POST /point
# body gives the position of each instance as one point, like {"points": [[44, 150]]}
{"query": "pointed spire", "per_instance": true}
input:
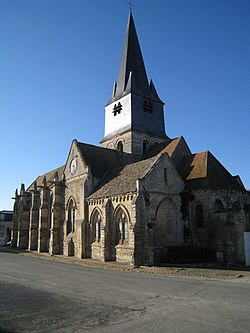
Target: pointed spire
{"points": [[132, 61], [22, 189], [63, 177], [114, 90], [154, 92], [44, 182], [131, 85], [56, 178], [16, 193]]}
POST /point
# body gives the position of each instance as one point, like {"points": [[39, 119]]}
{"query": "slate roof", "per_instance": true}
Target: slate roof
{"points": [[132, 61], [199, 171], [171, 147], [49, 177], [157, 148], [99, 159], [204, 171], [132, 75], [123, 180]]}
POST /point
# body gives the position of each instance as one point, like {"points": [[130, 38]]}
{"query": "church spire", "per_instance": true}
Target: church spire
{"points": [[132, 61], [134, 117]]}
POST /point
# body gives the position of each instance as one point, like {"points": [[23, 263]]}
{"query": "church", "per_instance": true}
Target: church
{"points": [[140, 197]]}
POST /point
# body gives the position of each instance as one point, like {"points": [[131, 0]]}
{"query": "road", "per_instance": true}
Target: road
{"points": [[38, 295]]}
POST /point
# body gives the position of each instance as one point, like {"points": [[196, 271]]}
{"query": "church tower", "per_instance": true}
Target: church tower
{"points": [[134, 118]]}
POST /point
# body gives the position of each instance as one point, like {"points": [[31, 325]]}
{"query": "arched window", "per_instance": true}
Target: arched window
{"points": [[199, 216], [71, 217], [236, 207], [145, 146], [218, 205], [122, 226], [96, 226], [120, 147]]}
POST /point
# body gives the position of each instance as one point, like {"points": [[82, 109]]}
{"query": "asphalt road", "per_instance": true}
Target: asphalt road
{"points": [[37, 295]]}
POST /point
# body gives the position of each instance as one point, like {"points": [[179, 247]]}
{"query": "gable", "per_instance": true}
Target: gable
{"points": [[175, 148], [99, 159], [204, 171], [163, 177], [75, 165], [84, 157]]}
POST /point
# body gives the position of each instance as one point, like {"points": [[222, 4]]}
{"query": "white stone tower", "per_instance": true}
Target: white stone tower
{"points": [[134, 118]]}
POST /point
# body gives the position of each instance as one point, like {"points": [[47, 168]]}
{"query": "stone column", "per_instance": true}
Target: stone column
{"points": [[134, 230], [105, 234], [104, 241], [57, 206], [23, 219], [86, 234], [34, 219], [15, 221], [44, 215]]}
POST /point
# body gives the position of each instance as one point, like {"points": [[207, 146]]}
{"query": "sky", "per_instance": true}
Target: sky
{"points": [[59, 59]]}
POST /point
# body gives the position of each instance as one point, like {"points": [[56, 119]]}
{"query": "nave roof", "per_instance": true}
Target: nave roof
{"points": [[49, 177], [123, 180], [203, 171]]}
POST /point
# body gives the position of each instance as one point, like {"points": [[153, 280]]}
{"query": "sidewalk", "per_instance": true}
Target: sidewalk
{"points": [[201, 271]]}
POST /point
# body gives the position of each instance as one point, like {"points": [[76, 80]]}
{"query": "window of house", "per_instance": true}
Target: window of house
{"points": [[117, 109], [2, 230], [8, 235], [71, 217], [122, 226], [8, 217], [199, 216]]}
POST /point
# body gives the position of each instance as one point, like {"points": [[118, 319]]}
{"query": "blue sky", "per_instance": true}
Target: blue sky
{"points": [[59, 59]]}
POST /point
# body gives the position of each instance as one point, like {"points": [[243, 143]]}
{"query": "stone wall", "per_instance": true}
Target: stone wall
{"points": [[224, 224], [110, 246], [159, 222]]}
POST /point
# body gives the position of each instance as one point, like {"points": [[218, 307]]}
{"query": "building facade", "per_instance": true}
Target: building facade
{"points": [[141, 197], [5, 226]]}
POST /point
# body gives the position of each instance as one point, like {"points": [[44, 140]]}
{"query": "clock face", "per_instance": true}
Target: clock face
{"points": [[73, 166]]}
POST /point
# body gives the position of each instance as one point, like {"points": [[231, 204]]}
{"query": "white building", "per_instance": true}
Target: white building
{"points": [[5, 226]]}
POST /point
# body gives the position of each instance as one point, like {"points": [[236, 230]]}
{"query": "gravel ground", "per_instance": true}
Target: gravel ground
{"points": [[201, 271]]}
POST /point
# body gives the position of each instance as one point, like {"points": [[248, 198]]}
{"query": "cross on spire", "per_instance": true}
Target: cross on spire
{"points": [[130, 5]]}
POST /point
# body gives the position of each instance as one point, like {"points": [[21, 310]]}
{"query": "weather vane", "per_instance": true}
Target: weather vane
{"points": [[130, 5]]}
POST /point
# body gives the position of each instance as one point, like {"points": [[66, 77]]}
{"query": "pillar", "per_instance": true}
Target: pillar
{"points": [[15, 220], [34, 219], [23, 219], [56, 216], [44, 216]]}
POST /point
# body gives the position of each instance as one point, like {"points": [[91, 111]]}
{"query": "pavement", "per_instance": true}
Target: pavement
{"points": [[41, 293], [211, 271]]}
